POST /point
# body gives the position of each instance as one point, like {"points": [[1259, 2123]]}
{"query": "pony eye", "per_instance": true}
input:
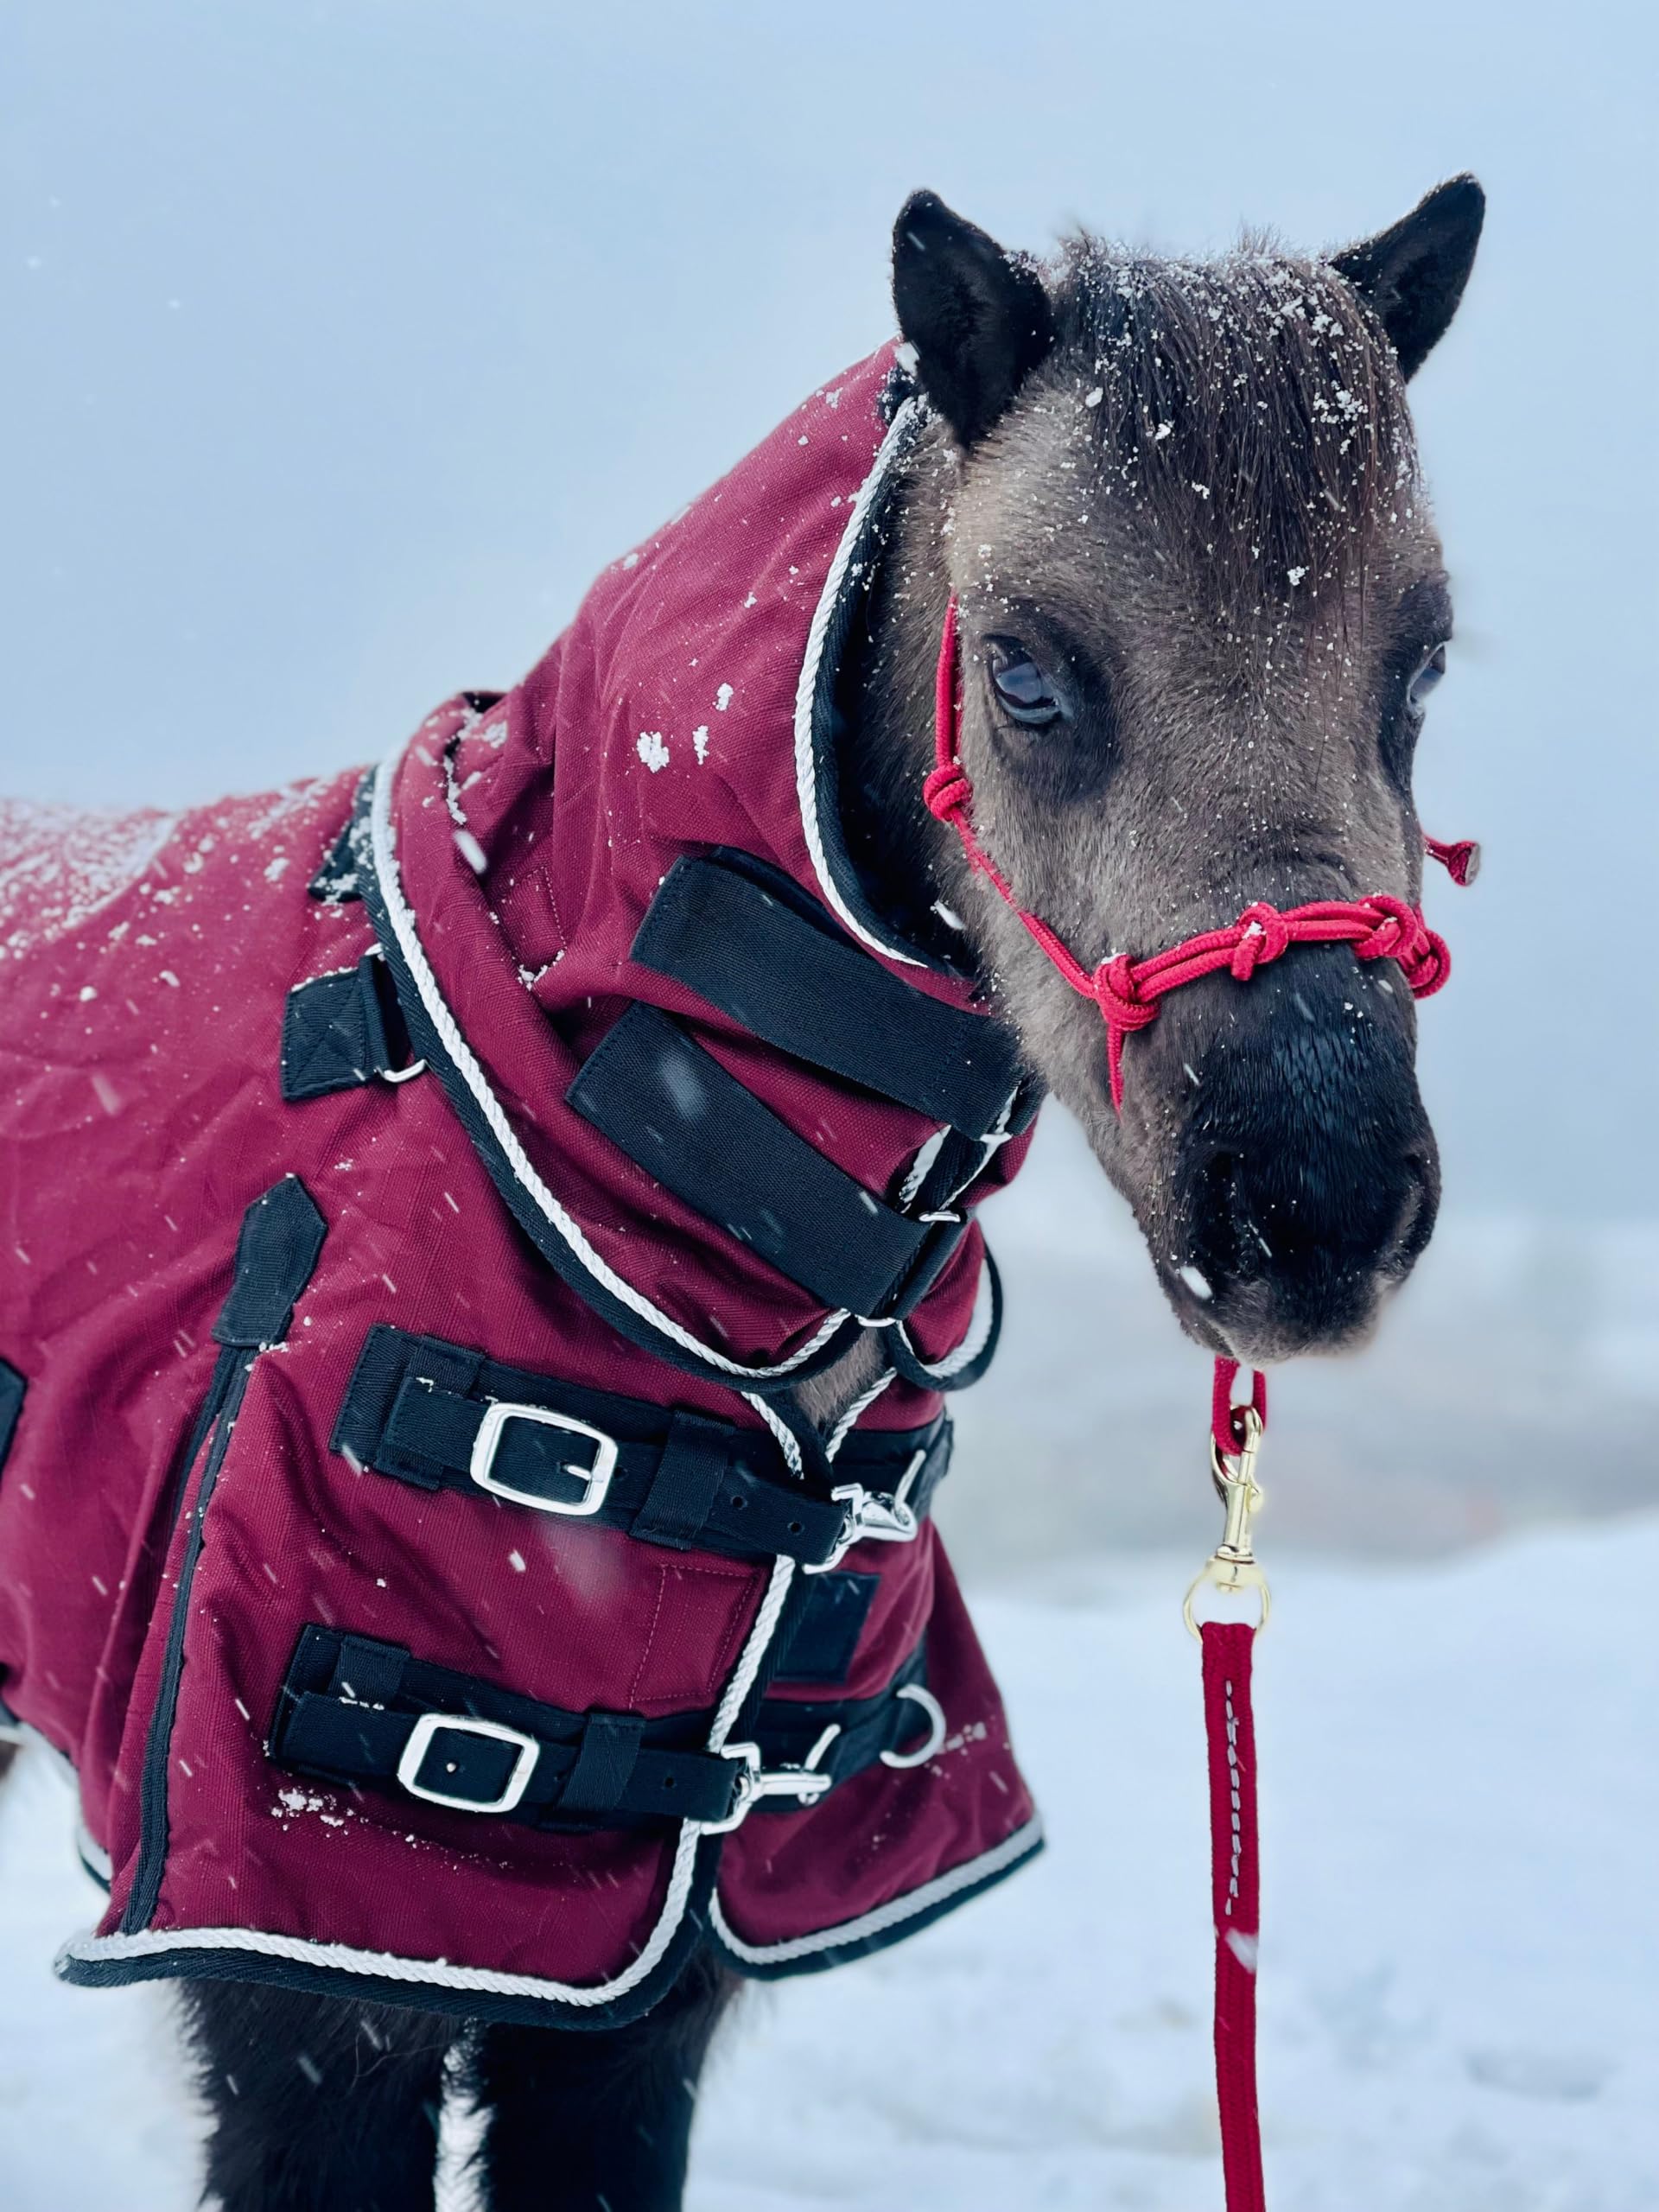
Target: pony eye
{"points": [[1024, 690], [1426, 678]]}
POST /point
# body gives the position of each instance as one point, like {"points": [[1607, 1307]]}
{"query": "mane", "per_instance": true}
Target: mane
{"points": [[1250, 402]]}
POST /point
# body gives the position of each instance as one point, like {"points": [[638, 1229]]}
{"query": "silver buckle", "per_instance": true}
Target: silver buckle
{"points": [[804, 1783], [463, 1724], [597, 1478], [870, 1515]]}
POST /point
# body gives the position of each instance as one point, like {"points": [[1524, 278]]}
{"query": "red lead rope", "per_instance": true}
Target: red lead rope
{"points": [[1230, 1729], [1128, 991], [1234, 1883]]}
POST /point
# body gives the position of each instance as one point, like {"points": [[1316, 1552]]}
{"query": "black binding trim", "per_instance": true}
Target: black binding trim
{"points": [[322, 1977], [277, 1249], [343, 1030], [833, 1953], [350, 1707], [826, 717], [414, 1408], [908, 1365], [13, 1387], [675, 1112], [744, 937]]}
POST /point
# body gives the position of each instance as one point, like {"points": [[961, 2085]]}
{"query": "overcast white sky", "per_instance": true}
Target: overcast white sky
{"points": [[345, 342]]}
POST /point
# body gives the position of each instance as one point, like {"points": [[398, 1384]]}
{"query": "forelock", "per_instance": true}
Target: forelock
{"points": [[1248, 406]]}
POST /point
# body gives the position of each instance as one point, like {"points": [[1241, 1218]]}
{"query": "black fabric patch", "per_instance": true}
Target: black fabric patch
{"points": [[677, 1113], [277, 1247], [827, 1617], [341, 1030], [335, 882], [736, 935], [12, 1387]]}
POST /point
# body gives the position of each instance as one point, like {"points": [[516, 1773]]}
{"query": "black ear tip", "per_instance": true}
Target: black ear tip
{"points": [[1460, 203], [922, 213]]}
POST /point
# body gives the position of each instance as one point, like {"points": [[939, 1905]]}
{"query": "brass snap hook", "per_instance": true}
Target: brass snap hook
{"points": [[1231, 1567]]}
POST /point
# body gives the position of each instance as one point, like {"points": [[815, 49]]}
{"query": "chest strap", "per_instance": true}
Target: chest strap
{"points": [[673, 1107], [439, 1416], [357, 1711], [743, 937]]}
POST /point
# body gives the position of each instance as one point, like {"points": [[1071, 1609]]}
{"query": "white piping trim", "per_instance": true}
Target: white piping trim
{"points": [[926, 1156], [856, 1411], [806, 778], [401, 916], [1007, 1853], [760, 1635]]}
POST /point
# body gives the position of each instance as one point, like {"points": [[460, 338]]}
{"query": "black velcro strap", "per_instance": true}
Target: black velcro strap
{"points": [[453, 1738], [277, 1247], [342, 1030], [416, 1408], [12, 1387], [821, 1628], [677, 1113], [749, 945]]}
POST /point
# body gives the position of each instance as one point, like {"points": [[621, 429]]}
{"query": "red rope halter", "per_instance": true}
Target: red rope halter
{"points": [[1128, 991]]}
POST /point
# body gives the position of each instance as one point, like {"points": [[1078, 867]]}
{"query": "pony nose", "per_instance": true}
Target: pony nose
{"points": [[1308, 1185]]}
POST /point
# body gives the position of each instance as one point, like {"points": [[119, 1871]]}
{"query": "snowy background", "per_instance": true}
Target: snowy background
{"points": [[344, 343]]}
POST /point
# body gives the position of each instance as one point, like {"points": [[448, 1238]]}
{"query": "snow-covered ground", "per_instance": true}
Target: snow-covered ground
{"points": [[1460, 1799]]}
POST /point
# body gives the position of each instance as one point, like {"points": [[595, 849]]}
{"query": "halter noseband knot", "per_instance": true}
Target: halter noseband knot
{"points": [[1126, 991], [1401, 934], [1265, 936]]}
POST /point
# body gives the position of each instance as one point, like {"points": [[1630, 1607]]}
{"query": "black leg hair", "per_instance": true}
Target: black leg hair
{"points": [[319, 2104], [597, 2120]]}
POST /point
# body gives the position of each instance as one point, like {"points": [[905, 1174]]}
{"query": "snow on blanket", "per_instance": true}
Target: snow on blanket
{"points": [[1460, 1805]]}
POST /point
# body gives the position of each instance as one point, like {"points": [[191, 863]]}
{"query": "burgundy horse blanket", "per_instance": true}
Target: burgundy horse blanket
{"points": [[421, 1192]]}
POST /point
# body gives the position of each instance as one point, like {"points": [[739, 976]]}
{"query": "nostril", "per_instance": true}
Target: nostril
{"points": [[1415, 1221]]}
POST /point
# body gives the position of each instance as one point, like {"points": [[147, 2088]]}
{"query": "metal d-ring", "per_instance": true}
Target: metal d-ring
{"points": [[935, 1712]]}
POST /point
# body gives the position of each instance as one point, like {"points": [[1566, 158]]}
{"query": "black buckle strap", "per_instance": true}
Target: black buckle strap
{"points": [[355, 1710], [675, 1112], [342, 1030], [439, 1416], [746, 939]]}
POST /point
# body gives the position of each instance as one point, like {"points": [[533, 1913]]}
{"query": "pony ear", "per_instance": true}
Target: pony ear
{"points": [[979, 320], [1412, 276]]}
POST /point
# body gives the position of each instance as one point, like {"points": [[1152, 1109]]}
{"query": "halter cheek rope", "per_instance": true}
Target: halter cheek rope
{"points": [[1128, 991]]}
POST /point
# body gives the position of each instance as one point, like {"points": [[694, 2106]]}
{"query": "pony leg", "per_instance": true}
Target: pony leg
{"points": [[319, 2104], [597, 2120]]}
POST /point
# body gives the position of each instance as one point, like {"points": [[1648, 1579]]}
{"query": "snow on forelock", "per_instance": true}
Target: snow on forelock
{"points": [[60, 865]]}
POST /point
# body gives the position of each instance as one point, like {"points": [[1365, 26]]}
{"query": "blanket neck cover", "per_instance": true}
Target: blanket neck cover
{"points": [[421, 1191]]}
